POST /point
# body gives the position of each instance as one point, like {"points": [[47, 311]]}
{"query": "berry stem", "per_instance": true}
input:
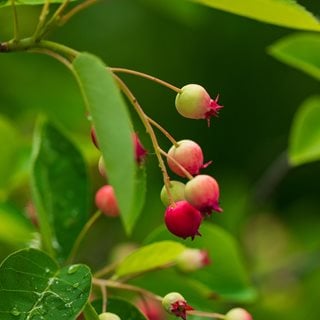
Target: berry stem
{"points": [[206, 314], [106, 270], [144, 119], [146, 76], [164, 131], [15, 21], [187, 174], [42, 19]]}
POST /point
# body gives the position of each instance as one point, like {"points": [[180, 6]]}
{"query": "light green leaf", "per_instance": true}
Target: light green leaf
{"points": [[304, 143], [33, 287], [149, 258], [60, 188], [113, 129], [226, 275], [301, 51], [286, 13], [6, 3]]}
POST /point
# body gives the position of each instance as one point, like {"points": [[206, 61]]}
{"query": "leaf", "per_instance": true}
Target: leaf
{"points": [[27, 2], [15, 229], [226, 275], [123, 308], [113, 129], [33, 287], [304, 142], [301, 51], [89, 312], [286, 13], [149, 257], [60, 188]]}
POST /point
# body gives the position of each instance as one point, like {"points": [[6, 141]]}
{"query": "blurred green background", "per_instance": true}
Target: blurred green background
{"points": [[275, 221]]}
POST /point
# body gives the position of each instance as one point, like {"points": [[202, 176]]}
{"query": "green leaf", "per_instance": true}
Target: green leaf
{"points": [[60, 187], [149, 258], [33, 287], [304, 143], [123, 308], [27, 2], [113, 129], [286, 13], [301, 51], [15, 229], [226, 275], [89, 312]]}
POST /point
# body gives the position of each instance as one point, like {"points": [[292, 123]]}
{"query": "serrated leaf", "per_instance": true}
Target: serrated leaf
{"points": [[226, 275], [301, 51], [27, 2], [60, 187], [286, 13], [113, 129], [33, 287], [149, 257], [304, 143]]}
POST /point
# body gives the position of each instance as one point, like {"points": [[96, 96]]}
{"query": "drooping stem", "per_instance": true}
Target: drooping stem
{"points": [[42, 19], [146, 76], [144, 119], [106, 270], [210, 315], [16, 34]]}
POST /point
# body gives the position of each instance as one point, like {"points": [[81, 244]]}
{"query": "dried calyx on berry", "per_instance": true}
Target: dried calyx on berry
{"points": [[238, 314], [109, 316], [194, 102], [176, 189], [192, 259], [106, 201], [174, 303]]}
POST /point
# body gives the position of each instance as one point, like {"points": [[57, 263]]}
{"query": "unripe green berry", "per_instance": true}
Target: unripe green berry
{"points": [[177, 192], [175, 303], [192, 259], [238, 314], [109, 316]]}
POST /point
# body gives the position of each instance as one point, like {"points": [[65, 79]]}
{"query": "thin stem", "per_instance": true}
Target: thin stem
{"points": [[146, 76], [42, 19], [105, 270], [211, 315], [16, 35], [81, 6], [144, 119], [104, 298], [186, 173], [52, 54], [82, 234], [164, 131]]}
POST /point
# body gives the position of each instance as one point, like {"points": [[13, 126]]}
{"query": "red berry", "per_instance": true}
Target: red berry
{"points": [[203, 193], [194, 102], [183, 220], [151, 308], [106, 201], [140, 151], [189, 155], [238, 314], [175, 303]]}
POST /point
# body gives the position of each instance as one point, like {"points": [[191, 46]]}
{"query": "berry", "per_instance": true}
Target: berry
{"points": [[101, 167], [189, 155], [175, 303], [194, 102], [106, 201], [183, 220], [94, 137], [177, 192], [108, 316], [192, 259], [151, 308], [203, 193], [238, 314], [140, 151]]}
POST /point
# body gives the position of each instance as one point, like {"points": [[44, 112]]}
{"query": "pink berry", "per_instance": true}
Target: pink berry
{"points": [[194, 102], [192, 259], [140, 151], [106, 201], [151, 308], [177, 192], [183, 220], [238, 314], [203, 193], [174, 303], [189, 155]]}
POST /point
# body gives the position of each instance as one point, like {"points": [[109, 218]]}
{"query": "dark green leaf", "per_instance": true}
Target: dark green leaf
{"points": [[33, 287], [304, 144], [286, 13], [301, 51], [60, 188], [113, 128]]}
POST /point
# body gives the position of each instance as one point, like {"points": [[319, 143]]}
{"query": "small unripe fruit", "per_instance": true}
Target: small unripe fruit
{"points": [[106, 201], [101, 167], [175, 303], [94, 137], [109, 316], [194, 102], [177, 192], [203, 193], [183, 220], [189, 155], [238, 314], [192, 259]]}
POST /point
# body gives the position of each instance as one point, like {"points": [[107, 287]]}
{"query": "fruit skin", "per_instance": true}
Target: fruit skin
{"points": [[183, 220], [203, 193], [109, 316], [177, 192], [192, 259], [238, 314], [140, 151], [194, 102], [151, 308], [189, 155], [175, 303], [106, 201], [101, 167]]}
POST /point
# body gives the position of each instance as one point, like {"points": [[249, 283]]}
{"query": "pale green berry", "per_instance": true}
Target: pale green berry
{"points": [[109, 316], [176, 190]]}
